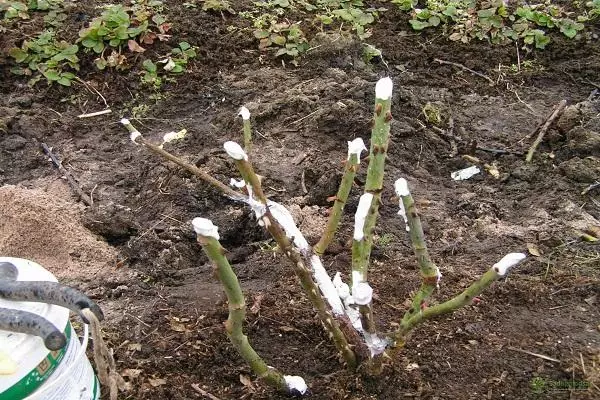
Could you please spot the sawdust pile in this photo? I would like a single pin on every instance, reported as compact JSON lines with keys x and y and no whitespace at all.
{"x":44,"y":225}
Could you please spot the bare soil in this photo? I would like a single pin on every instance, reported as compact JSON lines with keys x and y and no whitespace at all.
{"x":134,"y":250}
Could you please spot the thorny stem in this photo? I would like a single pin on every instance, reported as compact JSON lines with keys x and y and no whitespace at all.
{"x":460,"y":300}
{"x":429,"y":271}
{"x":380,"y":136}
{"x":302,"y":271}
{"x":237,"y":314}
{"x":247,"y":136}
{"x":337,"y":210}
{"x":139,"y":139}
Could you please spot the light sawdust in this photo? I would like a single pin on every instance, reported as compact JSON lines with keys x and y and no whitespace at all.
{"x":44,"y":225}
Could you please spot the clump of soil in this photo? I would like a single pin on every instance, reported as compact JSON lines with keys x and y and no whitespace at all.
{"x":42,"y":226}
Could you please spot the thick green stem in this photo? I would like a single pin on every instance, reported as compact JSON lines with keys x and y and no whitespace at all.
{"x":237,"y":314}
{"x":380,"y":136}
{"x":247,"y":136}
{"x":337,"y":210}
{"x":139,"y":139}
{"x":364,"y":225}
{"x":429,"y":271}
{"x":303,"y":272}
{"x":460,"y":300}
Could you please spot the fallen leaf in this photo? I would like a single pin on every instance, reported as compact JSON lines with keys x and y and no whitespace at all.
{"x":533,"y":250}
{"x":134,"y":347}
{"x":255,"y":309}
{"x":131,"y":373}
{"x":412,"y":367}
{"x":287,"y":328}
{"x":178,"y":327}
{"x":246,"y":381}
{"x":135,"y":47}
{"x":157,"y":382}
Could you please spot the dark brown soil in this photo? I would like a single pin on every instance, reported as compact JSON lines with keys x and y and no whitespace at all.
{"x":165,"y":315}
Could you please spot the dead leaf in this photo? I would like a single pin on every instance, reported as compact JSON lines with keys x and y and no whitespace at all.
{"x":134,"y":347}
{"x":135,"y":47}
{"x":247,"y":382}
{"x":492,"y":169}
{"x":157,"y":382}
{"x":255,"y":309}
{"x":287,"y":328}
{"x":412,"y":367}
{"x":533,"y":250}
{"x":131,"y":373}
{"x":178,"y":327}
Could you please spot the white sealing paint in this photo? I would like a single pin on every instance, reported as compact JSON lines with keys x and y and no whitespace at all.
{"x":244,"y":113}
{"x":362,"y":293}
{"x":508,"y":261}
{"x":361,"y":215}
{"x":401,"y":187}
{"x":238,"y":184}
{"x":375,"y":344}
{"x":235,"y":151}
{"x":356,"y":147}
{"x":285,"y":219}
{"x":465,"y":174}
{"x":295,"y":383}
{"x":326,"y":286}
{"x":205,"y":227}
{"x":383,"y":88}
{"x":342,"y":288}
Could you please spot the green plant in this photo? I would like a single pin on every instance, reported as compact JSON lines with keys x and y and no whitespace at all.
{"x":140,"y":24}
{"x":345,"y":310}
{"x":218,"y":5}
{"x":45,"y":56}
{"x":288,"y":39}
{"x":174,"y":64}
{"x":20,"y":9}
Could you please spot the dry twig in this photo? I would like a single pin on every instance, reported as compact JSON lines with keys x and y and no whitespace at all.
{"x":479,"y":74}
{"x":72,"y":182}
{"x":557,"y":111}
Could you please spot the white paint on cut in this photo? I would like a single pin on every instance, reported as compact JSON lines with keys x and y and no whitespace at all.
{"x":401,"y":187}
{"x":134,"y":135}
{"x":205,"y":227}
{"x":326,"y":285}
{"x":439,"y":277}
{"x":295,"y":383}
{"x":466,"y":173}
{"x":342,"y":288}
{"x":508,"y":261}
{"x":361,"y":215}
{"x":384,"y":88}
{"x":357,"y":277}
{"x":238,"y":184}
{"x":285,"y":219}
{"x":244,"y":113}
{"x":356,"y":147}
{"x":375,"y":344}
{"x":235,"y":151}
{"x":362,"y":293}
{"x":125,"y":121}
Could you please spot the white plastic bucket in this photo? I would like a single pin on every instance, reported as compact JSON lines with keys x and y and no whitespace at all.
{"x":41,"y":374}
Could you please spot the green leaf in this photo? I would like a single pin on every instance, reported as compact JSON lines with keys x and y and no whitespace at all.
{"x":261,"y":34}
{"x":64,"y":81}
{"x":98,"y":47}
{"x":278,"y":39}
{"x":52,"y":75}
{"x":149,"y":66}
{"x":486,"y":13}
{"x":434,"y":20}
{"x":184,"y":45}
{"x":73,"y":49}
{"x":89,"y":43}
{"x":18,"y":54}
{"x":418,"y":25}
